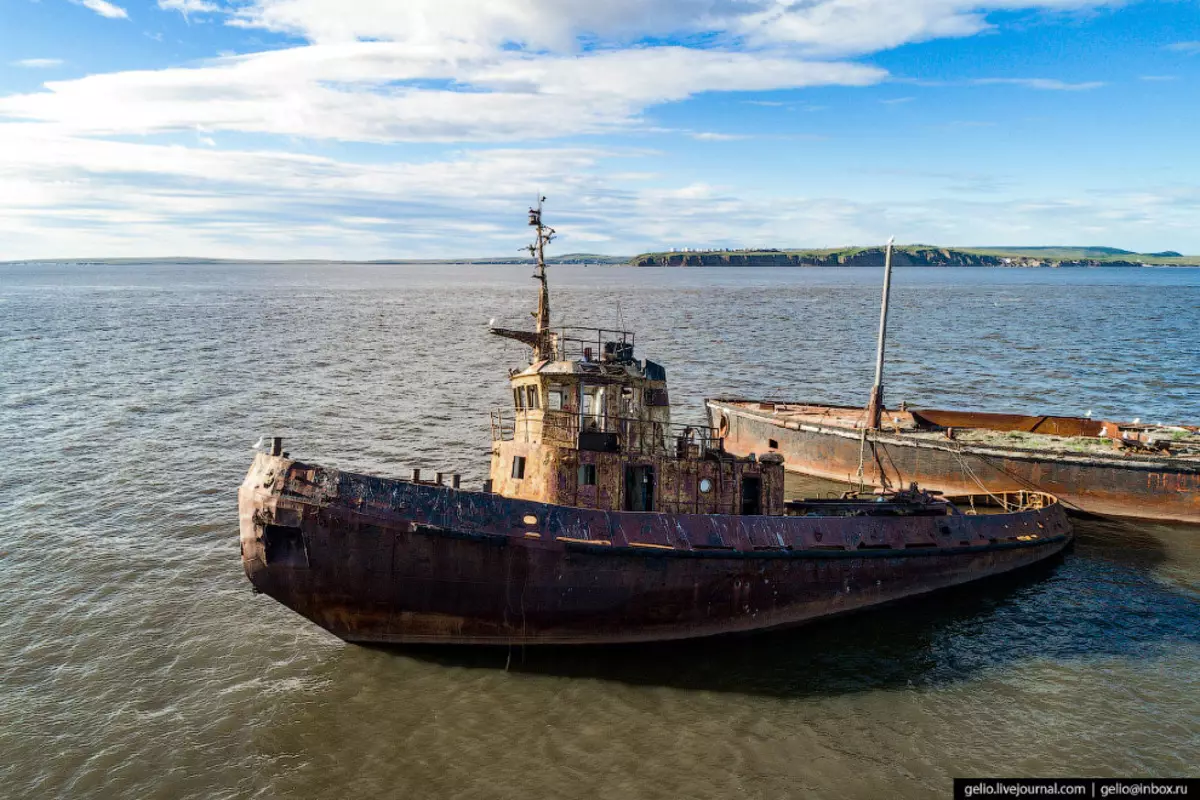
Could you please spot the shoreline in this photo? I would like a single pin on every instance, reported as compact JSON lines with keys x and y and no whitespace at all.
{"x":203,"y":262}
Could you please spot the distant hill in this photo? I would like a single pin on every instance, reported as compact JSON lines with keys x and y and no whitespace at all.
{"x":1061,"y":251}
{"x":918,"y":255}
{"x":568,"y":258}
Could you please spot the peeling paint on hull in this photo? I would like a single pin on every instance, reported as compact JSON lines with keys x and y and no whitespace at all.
{"x":380,"y":560}
{"x":1125,"y":486}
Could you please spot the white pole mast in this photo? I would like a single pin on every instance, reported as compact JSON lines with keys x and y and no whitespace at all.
{"x":875,"y":407}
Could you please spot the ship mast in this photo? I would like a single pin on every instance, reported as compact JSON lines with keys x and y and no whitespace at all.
{"x":545,"y":235}
{"x":875,"y":406}
{"x":542,"y":340}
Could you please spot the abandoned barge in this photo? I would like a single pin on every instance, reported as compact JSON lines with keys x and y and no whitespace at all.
{"x":603,"y":522}
{"x":1092,"y":466}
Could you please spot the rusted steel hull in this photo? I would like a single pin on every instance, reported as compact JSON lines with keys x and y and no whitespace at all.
{"x":1127,"y":486}
{"x":381,"y":560}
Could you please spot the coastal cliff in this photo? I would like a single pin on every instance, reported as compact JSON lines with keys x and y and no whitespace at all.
{"x":909,"y":256}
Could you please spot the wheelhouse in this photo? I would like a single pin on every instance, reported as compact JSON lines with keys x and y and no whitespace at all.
{"x":590,"y":426}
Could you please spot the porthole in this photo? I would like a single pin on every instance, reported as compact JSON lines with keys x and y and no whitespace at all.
{"x":705,"y":486}
{"x":530,"y":519}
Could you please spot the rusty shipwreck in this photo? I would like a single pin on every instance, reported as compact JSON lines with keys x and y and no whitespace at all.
{"x":603,"y":521}
{"x":1093,"y":466}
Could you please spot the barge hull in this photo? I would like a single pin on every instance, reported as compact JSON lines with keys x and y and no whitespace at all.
{"x":1106,"y":487}
{"x":391,"y":561}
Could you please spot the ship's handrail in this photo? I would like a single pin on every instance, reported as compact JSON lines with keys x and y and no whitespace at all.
{"x":629,"y":435}
{"x":575,"y":342}
{"x":1010,"y":502}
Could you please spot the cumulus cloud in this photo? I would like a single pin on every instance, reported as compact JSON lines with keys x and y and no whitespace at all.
{"x":104,"y":8}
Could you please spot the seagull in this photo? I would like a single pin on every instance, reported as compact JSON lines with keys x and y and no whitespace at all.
{"x":258,"y":445}
{"x":492,"y":322}
{"x":1088,"y":414}
{"x":1136,"y":420}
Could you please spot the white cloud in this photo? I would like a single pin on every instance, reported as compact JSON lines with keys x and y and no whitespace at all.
{"x":1045,"y":84}
{"x":71,"y":197}
{"x":61,"y":195}
{"x":1185,"y":47}
{"x":817,"y":26}
{"x":369,"y":91}
{"x":508,"y":71}
{"x":537,"y":24}
{"x":446,"y":70}
{"x":187,"y":7}
{"x":104,"y":8}
{"x":38,"y":63}
{"x":711,"y":136}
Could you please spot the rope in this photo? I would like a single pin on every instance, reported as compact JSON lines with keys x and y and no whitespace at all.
{"x":971,"y":474}
{"x":862,"y":455}
{"x":955,"y":448}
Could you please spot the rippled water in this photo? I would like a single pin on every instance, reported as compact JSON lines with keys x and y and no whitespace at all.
{"x":136,"y":662}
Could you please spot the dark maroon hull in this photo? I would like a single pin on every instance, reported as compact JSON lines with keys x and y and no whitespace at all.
{"x":1131,"y":486}
{"x":378,"y":560}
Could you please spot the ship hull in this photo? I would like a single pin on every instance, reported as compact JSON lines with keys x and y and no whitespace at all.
{"x":1123,"y":486}
{"x":391,"y":561}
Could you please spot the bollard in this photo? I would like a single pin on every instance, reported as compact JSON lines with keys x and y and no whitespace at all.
{"x":276,"y":445}
{"x":456,"y":479}
{"x":440,"y":475}
{"x":416,"y":476}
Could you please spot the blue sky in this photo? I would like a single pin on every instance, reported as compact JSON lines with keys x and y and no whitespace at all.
{"x":422,"y":128}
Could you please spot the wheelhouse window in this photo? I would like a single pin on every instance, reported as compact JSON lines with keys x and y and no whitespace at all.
{"x":587,"y":474}
{"x":554,"y":397}
{"x":592,"y":407}
{"x":518,"y":398}
{"x":518,"y":469}
{"x":629,"y":401}
{"x":531,"y":397}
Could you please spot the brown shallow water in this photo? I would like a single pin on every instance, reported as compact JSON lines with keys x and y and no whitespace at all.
{"x":136,"y":662}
